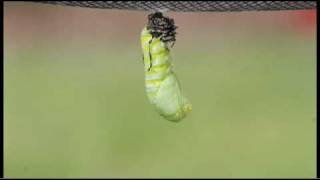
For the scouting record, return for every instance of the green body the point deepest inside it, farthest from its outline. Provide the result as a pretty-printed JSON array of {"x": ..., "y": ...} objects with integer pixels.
[{"x": 162, "y": 86}]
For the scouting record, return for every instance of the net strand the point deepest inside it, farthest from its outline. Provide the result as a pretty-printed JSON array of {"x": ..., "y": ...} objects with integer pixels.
[{"x": 190, "y": 6}]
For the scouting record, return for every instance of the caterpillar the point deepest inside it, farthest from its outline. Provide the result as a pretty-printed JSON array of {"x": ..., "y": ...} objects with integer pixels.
[{"x": 161, "y": 83}]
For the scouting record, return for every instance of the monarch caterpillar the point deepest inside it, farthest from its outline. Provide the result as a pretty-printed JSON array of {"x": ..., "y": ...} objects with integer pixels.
[{"x": 161, "y": 83}]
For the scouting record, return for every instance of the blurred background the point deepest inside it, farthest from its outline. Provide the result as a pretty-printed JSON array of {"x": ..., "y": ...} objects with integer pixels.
[{"x": 75, "y": 104}]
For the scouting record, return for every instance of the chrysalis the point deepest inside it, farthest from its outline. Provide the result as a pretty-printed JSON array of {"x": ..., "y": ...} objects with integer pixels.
[{"x": 161, "y": 83}]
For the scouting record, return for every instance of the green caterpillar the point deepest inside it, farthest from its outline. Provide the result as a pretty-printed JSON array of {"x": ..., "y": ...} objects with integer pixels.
[{"x": 161, "y": 83}]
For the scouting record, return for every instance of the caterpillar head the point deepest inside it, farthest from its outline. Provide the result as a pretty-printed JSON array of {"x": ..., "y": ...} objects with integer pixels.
[{"x": 163, "y": 27}]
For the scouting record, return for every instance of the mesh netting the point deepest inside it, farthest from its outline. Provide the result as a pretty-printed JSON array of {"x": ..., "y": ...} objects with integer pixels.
[{"x": 187, "y": 6}]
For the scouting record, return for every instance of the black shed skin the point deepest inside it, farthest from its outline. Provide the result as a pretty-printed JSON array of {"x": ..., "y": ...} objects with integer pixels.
[{"x": 163, "y": 27}]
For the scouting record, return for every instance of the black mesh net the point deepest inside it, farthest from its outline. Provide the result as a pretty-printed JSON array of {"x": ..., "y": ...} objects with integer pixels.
[{"x": 187, "y": 6}]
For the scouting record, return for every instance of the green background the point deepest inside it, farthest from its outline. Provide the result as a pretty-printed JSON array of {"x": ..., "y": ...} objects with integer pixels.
[{"x": 75, "y": 103}]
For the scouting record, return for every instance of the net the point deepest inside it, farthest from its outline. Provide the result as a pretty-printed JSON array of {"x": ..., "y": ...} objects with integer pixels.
[{"x": 191, "y": 6}]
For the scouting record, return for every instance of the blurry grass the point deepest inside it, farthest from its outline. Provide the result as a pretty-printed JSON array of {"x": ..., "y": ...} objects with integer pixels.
[{"x": 82, "y": 112}]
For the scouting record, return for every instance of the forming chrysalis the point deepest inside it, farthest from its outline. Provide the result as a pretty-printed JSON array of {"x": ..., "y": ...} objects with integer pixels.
[{"x": 162, "y": 85}]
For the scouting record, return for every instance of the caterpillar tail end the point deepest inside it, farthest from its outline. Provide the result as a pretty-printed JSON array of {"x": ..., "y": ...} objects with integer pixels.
[{"x": 180, "y": 115}]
